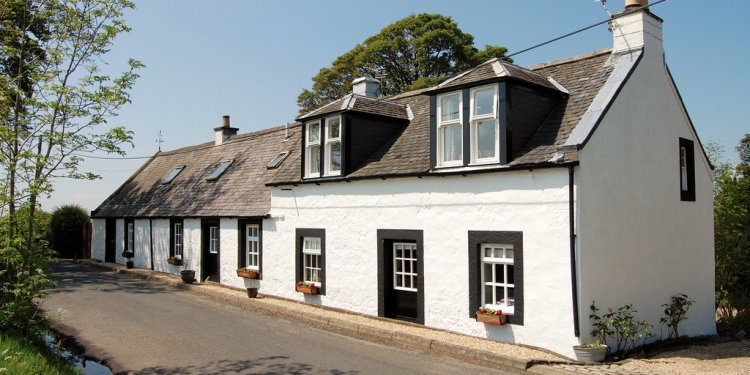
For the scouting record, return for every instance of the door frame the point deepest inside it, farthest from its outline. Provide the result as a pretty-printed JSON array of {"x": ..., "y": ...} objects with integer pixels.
[
  {"x": 388, "y": 236},
  {"x": 110, "y": 240},
  {"x": 205, "y": 225}
]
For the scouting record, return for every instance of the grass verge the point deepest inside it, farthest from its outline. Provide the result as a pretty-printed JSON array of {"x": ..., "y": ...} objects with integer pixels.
[{"x": 21, "y": 356}]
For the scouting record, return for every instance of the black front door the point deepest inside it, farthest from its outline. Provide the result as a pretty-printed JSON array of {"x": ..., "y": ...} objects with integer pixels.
[
  {"x": 110, "y": 242},
  {"x": 210, "y": 250},
  {"x": 401, "y": 280}
]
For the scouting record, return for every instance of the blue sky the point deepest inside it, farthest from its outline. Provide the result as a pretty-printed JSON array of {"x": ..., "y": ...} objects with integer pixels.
[{"x": 250, "y": 60}]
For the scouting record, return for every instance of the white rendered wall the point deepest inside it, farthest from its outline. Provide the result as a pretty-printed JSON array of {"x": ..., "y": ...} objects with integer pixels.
[
  {"x": 445, "y": 208},
  {"x": 228, "y": 236},
  {"x": 142, "y": 256},
  {"x": 161, "y": 247},
  {"x": 192, "y": 246},
  {"x": 119, "y": 240},
  {"x": 98, "y": 240},
  {"x": 638, "y": 242}
]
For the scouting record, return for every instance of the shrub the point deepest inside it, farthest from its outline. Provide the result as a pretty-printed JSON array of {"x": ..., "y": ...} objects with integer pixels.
[
  {"x": 676, "y": 311},
  {"x": 66, "y": 230},
  {"x": 621, "y": 326}
]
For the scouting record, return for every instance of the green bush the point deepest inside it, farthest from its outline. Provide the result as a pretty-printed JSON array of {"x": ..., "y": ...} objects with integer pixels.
[{"x": 66, "y": 230}]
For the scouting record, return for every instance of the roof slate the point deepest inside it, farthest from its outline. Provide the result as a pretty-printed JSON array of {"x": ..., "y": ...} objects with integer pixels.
[
  {"x": 361, "y": 104},
  {"x": 239, "y": 192},
  {"x": 495, "y": 69}
]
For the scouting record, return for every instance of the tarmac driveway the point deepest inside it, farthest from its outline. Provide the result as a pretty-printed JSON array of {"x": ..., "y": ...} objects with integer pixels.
[{"x": 146, "y": 328}]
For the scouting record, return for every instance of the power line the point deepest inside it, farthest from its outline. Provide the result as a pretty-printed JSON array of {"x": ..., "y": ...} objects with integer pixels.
[
  {"x": 112, "y": 158},
  {"x": 573, "y": 33}
]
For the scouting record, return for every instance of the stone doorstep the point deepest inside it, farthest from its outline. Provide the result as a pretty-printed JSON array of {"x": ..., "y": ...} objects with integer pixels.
[{"x": 341, "y": 326}]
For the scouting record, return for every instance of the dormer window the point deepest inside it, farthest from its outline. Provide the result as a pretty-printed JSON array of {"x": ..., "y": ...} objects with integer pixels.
[
  {"x": 484, "y": 125},
  {"x": 333, "y": 146},
  {"x": 312, "y": 149},
  {"x": 172, "y": 175},
  {"x": 449, "y": 130},
  {"x": 220, "y": 169}
]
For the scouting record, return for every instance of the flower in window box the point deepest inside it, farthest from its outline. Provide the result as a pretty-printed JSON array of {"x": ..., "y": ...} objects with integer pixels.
[
  {"x": 248, "y": 273},
  {"x": 175, "y": 261},
  {"x": 306, "y": 287},
  {"x": 490, "y": 316}
]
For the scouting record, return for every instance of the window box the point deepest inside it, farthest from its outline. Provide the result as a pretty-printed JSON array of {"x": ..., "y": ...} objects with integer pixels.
[
  {"x": 174, "y": 261},
  {"x": 127, "y": 254},
  {"x": 248, "y": 274},
  {"x": 306, "y": 288},
  {"x": 489, "y": 316}
]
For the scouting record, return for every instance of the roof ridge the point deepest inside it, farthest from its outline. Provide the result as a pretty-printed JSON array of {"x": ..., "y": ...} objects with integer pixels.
[
  {"x": 568, "y": 60},
  {"x": 237, "y": 138}
]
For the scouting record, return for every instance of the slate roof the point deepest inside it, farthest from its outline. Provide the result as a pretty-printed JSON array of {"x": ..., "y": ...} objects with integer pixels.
[
  {"x": 409, "y": 153},
  {"x": 491, "y": 70},
  {"x": 239, "y": 192},
  {"x": 361, "y": 104}
]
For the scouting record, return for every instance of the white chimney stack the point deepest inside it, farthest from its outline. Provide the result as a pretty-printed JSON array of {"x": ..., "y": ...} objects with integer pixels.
[
  {"x": 636, "y": 28},
  {"x": 366, "y": 86},
  {"x": 222, "y": 133}
]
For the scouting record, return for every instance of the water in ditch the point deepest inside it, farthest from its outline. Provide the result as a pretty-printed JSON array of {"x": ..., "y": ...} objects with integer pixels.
[{"x": 73, "y": 354}]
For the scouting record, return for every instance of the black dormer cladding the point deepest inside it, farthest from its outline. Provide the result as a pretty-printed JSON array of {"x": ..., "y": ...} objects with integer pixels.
[
  {"x": 529, "y": 108},
  {"x": 364, "y": 135}
]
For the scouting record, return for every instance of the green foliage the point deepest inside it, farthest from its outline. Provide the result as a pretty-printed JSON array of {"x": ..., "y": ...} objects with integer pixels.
[
  {"x": 621, "y": 326},
  {"x": 415, "y": 52},
  {"x": 732, "y": 239},
  {"x": 66, "y": 228},
  {"x": 675, "y": 312},
  {"x": 20, "y": 356}
]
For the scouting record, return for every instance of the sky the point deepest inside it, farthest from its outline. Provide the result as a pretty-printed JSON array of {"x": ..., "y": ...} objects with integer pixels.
[{"x": 250, "y": 59}]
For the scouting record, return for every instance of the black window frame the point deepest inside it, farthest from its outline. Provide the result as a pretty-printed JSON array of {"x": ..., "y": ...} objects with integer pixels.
[
  {"x": 242, "y": 230},
  {"x": 125, "y": 235},
  {"x": 476, "y": 239},
  {"x": 299, "y": 264},
  {"x": 172, "y": 223},
  {"x": 388, "y": 237},
  {"x": 689, "y": 194}
]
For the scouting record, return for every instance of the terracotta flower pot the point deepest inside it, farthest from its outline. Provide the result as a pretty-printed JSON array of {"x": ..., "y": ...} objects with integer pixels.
[
  {"x": 306, "y": 289},
  {"x": 248, "y": 274},
  {"x": 491, "y": 318}
]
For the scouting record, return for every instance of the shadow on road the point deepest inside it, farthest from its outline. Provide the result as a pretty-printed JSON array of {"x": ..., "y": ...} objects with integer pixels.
[
  {"x": 69, "y": 278},
  {"x": 264, "y": 365}
]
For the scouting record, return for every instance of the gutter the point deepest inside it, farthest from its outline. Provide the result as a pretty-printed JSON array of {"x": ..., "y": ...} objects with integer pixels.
[{"x": 573, "y": 268}]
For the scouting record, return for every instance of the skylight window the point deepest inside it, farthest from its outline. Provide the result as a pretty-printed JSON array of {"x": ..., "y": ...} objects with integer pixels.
[
  {"x": 276, "y": 162},
  {"x": 172, "y": 175},
  {"x": 220, "y": 169}
]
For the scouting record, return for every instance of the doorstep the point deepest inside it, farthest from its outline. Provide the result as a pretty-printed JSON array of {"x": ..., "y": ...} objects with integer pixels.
[{"x": 510, "y": 357}]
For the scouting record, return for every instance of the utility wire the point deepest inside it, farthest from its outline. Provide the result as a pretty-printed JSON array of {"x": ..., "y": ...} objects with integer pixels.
[
  {"x": 573, "y": 33},
  {"x": 112, "y": 158}
]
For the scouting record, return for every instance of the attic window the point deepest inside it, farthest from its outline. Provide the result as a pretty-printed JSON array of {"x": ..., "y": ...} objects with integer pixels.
[
  {"x": 172, "y": 175},
  {"x": 220, "y": 169},
  {"x": 276, "y": 162}
]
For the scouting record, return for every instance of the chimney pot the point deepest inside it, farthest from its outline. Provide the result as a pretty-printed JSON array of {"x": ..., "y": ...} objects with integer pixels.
[
  {"x": 225, "y": 122},
  {"x": 635, "y": 4},
  {"x": 223, "y": 132}
]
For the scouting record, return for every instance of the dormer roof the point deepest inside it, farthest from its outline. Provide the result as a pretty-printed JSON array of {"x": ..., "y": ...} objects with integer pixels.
[
  {"x": 494, "y": 70},
  {"x": 360, "y": 104}
]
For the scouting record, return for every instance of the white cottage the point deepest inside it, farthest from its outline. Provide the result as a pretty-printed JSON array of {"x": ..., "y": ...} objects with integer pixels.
[{"x": 530, "y": 190}]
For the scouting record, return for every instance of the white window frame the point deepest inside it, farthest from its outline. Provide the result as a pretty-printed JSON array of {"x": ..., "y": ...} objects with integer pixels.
[
  {"x": 501, "y": 302},
  {"x": 404, "y": 274},
  {"x": 178, "y": 238},
  {"x": 130, "y": 239},
  {"x": 308, "y": 149},
  {"x": 310, "y": 253},
  {"x": 213, "y": 239},
  {"x": 252, "y": 247},
  {"x": 442, "y": 125},
  {"x": 328, "y": 147},
  {"x": 684, "y": 184},
  {"x": 474, "y": 120}
]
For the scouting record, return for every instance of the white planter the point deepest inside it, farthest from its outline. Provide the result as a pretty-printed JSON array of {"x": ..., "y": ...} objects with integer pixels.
[{"x": 590, "y": 354}]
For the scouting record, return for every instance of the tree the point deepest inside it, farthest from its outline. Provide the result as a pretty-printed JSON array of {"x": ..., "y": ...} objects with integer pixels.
[
  {"x": 732, "y": 240},
  {"x": 54, "y": 105},
  {"x": 65, "y": 229},
  {"x": 414, "y": 52}
]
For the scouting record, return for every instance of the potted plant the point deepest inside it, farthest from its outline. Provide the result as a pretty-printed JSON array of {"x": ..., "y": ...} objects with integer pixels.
[
  {"x": 128, "y": 255},
  {"x": 490, "y": 316},
  {"x": 252, "y": 292},
  {"x": 174, "y": 261},
  {"x": 248, "y": 273},
  {"x": 306, "y": 287},
  {"x": 188, "y": 276},
  {"x": 590, "y": 351}
]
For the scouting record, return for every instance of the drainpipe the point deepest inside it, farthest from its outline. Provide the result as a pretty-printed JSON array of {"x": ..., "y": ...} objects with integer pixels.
[
  {"x": 573, "y": 269},
  {"x": 151, "y": 240}
]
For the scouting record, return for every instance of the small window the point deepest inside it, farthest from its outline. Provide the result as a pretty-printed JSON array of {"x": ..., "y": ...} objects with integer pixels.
[
  {"x": 449, "y": 130},
  {"x": 687, "y": 170},
  {"x": 220, "y": 169},
  {"x": 177, "y": 238},
  {"x": 252, "y": 246},
  {"x": 405, "y": 266},
  {"x": 130, "y": 236},
  {"x": 276, "y": 162},
  {"x": 213, "y": 239},
  {"x": 312, "y": 149},
  {"x": 333, "y": 146},
  {"x": 311, "y": 259},
  {"x": 484, "y": 125},
  {"x": 498, "y": 277},
  {"x": 172, "y": 175}
]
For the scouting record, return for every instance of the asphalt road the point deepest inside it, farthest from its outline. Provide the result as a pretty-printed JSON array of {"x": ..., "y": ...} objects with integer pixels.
[{"x": 139, "y": 327}]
